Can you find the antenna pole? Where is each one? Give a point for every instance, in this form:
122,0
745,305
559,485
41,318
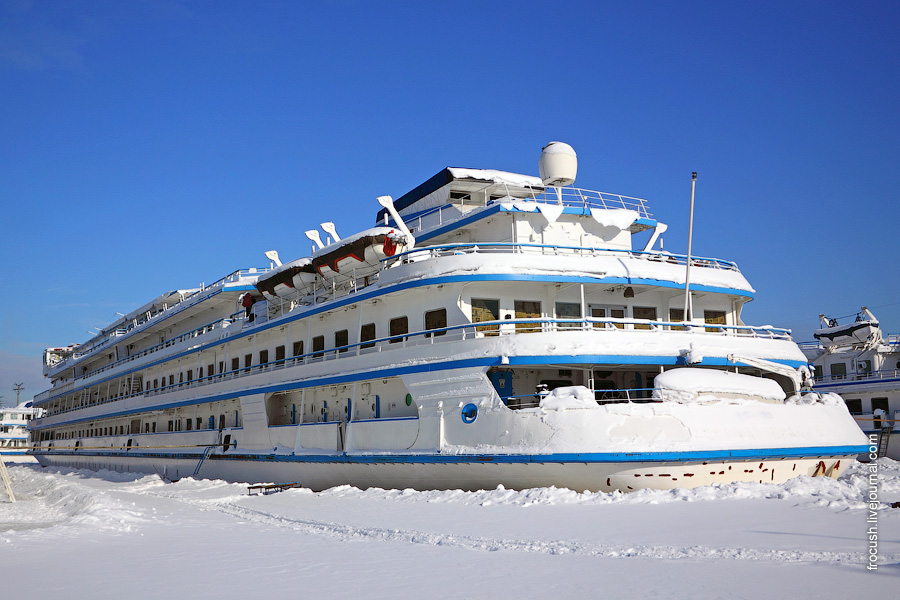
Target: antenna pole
688,305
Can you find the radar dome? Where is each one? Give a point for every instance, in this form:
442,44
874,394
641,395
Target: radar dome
558,164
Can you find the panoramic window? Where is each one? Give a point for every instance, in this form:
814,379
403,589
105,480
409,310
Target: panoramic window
366,333
644,312
527,309
568,310
485,310
436,319
398,326
838,371
714,317
602,312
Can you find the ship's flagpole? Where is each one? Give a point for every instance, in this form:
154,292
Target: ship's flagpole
688,305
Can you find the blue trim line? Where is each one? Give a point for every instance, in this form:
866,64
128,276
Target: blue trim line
586,457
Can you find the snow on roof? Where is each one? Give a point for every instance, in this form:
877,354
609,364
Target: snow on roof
505,177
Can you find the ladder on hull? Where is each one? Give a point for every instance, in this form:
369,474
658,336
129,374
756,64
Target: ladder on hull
883,440
206,452
7,484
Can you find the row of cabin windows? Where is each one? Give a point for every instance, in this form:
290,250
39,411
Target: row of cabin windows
484,309
838,370
435,319
854,405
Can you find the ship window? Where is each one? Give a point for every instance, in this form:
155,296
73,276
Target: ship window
171,379
603,312
676,315
879,404
279,353
854,405
485,310
210,370
527,309
248,360
155,383
199,423
235,364
341,338
644,312
714,317
190,424
181,377
221,366
298,348
838,370
171,425
366,333
263,357
318,344
398,327
819,372
190,375
568,310
436,319
200,373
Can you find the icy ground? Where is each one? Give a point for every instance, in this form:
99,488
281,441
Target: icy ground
113,535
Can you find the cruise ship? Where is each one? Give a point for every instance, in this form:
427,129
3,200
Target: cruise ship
492,328
860,362
13,432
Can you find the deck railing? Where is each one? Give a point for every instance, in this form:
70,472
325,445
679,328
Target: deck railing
139,322
556,250
466,331
868,376
571,197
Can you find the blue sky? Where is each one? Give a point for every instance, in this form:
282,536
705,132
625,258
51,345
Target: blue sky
150,146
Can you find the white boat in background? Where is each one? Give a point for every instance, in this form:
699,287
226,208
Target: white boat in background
493,329
859,362
14,433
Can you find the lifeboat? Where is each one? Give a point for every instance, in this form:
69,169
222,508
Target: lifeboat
361,254
283,280
864,329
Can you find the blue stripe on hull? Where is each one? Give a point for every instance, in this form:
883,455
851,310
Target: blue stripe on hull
586,457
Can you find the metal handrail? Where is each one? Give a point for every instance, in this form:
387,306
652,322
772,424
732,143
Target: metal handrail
522,248
463,332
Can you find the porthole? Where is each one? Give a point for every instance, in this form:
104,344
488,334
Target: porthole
469,413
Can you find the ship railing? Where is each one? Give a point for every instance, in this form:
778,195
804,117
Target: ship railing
202,330
467,331
571,197
556,250
868,421
865,376
140,322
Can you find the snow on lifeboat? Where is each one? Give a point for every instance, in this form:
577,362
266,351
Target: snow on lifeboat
863,330
360,255
283,280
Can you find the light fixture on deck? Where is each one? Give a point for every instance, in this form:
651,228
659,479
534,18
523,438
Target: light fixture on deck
629,292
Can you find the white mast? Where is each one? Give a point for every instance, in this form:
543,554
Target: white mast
688,305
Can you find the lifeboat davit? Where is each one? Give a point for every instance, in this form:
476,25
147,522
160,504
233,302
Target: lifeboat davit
360,255
282,281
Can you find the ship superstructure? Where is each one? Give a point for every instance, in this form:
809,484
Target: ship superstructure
492,328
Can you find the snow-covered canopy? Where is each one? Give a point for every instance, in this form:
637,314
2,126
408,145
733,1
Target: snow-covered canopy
697,381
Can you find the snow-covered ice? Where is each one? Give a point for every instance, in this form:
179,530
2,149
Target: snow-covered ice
105,535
